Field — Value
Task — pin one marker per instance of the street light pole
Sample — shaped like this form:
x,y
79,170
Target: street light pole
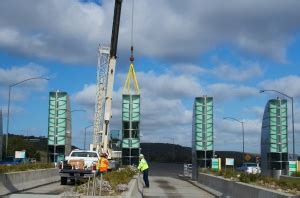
x,y
293,124
8,105
243,140
85,135
234,119
7,124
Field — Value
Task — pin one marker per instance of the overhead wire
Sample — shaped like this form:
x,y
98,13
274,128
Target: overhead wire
x,y
132,13
131,76
131,48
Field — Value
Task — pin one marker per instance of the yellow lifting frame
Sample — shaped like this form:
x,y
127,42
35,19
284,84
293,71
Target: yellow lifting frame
x,y
131,77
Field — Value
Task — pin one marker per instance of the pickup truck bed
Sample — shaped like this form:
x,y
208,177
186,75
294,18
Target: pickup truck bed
x,y
80,164
74,175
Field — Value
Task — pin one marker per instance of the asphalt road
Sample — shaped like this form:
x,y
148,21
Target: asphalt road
x,y
49,189
164,182
165,169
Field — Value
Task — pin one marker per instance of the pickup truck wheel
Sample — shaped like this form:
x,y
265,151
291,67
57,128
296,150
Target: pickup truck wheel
x,y
63,180
72,181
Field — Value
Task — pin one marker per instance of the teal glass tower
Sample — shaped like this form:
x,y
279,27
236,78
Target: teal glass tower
x,y
202,136
130,129
59,126
274,138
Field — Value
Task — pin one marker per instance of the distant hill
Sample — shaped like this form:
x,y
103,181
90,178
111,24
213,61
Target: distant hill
x,y
161,152
36,147
33,145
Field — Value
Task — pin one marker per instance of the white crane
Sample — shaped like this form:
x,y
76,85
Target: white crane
x,y
105,82
102,68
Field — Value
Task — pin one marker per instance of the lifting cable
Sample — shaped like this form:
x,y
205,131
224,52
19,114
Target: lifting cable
x,y
132,13
131,76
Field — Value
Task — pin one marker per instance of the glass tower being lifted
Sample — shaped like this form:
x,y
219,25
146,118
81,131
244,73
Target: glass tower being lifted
x,y
131,119
202,137
274,139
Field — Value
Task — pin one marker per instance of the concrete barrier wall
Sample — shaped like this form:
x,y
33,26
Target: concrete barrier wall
x,y
233,189
17,181
135,188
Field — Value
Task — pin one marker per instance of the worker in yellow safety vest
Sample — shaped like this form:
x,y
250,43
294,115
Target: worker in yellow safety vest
x,y
143,167
103,164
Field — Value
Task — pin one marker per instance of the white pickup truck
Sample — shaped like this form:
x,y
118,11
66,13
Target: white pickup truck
x,y
79,164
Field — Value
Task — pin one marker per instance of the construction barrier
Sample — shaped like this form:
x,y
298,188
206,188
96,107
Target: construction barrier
x,y
230,188
187,170
18,181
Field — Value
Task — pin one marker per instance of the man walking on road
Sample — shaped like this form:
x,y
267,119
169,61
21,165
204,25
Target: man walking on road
x,y
143,167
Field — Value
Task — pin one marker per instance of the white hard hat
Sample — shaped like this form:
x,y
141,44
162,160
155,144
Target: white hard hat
x,y
141,155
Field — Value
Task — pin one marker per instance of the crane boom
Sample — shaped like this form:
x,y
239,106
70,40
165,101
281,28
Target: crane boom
x,y
115,29
102,70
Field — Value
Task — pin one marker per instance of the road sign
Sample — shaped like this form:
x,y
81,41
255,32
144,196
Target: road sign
x,y
20,154
247,157
229,162
216,164
292,167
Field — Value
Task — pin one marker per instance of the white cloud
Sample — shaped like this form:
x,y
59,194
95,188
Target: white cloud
x,y
256,110
223,91
188,69
163,113
168,86
86,96
62,30
288,85
224,71
19,73
228,72
12,111
70,31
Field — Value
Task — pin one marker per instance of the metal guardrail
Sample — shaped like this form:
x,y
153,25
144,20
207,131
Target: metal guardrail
x,y
187,170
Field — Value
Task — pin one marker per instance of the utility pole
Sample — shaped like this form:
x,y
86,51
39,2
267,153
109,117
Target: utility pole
x,y
241,122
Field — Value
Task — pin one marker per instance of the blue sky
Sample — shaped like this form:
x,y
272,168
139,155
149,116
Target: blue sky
x,y
226,50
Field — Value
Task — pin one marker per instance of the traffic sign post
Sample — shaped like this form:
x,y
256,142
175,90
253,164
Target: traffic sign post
x,y
229,162
292,167
247,157
216,164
